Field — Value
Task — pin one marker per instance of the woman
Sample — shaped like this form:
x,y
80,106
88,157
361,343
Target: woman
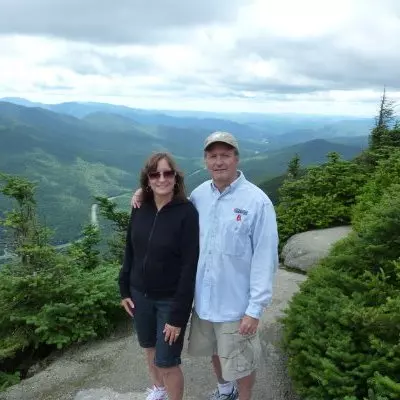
x,y
158,274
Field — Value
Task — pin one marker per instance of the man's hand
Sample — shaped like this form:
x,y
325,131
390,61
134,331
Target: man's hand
x,y
248,325
137,198
127,303
171,333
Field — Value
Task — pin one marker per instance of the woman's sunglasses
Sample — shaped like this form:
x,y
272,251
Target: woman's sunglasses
x,y
157,175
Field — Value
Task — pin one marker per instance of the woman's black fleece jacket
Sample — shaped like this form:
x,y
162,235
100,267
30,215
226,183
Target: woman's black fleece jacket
x,y
161,254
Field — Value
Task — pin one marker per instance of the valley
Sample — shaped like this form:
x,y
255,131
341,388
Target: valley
x,y
75,151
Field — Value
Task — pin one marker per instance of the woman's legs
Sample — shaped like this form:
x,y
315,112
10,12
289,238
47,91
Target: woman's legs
x,y
145,323
163,359
155,373
170,378
168,357
173,382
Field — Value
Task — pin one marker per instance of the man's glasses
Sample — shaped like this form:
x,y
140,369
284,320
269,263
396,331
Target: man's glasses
x,y
157,175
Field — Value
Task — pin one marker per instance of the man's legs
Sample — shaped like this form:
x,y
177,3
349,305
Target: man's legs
x,y
203,343
225,389
239,357
217,368
245,386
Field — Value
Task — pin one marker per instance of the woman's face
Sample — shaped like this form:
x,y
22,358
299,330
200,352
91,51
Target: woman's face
x,y
162,181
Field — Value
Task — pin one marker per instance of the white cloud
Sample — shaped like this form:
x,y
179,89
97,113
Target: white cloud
x,y
295,19
310,56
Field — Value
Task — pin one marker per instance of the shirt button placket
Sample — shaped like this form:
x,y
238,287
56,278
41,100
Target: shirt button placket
x,y
213,222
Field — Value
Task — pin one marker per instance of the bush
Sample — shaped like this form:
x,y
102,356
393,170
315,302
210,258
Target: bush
x,y
58,305
387,173
343,327
7,380
47,299
51,309
322,198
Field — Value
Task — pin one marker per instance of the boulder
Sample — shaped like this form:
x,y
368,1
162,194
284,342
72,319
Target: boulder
x,y
304,250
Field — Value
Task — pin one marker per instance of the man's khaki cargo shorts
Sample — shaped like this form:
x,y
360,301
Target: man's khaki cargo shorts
x,y
239,355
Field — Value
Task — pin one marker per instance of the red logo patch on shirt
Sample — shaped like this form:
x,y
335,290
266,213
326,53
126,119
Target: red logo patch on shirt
x,y
239,217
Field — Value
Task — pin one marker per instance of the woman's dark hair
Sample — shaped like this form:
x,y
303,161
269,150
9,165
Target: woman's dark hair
x,y
151,166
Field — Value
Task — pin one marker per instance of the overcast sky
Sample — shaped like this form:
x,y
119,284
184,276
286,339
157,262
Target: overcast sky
x,y
308,56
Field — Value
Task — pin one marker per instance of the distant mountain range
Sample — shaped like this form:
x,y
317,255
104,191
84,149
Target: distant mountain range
x,y
278,130
78,150
153,118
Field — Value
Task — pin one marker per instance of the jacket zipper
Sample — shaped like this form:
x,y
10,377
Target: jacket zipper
x,y
147,250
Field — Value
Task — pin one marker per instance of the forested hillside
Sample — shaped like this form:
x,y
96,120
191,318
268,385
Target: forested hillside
x,y
86,150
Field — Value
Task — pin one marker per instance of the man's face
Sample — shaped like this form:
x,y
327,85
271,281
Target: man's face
x,y
222,162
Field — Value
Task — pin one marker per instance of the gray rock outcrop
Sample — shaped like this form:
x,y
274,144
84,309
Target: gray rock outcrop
x,y
303,250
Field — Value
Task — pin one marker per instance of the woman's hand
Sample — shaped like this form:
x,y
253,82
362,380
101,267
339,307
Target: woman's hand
x,y
127,303
137,198
171,333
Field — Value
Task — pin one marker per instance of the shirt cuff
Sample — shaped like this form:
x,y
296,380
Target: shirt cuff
x,y
254,310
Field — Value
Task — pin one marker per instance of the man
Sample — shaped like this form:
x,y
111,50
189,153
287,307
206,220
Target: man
x,y
236,268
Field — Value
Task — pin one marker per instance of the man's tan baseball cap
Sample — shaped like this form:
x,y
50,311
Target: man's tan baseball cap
x,y
224,137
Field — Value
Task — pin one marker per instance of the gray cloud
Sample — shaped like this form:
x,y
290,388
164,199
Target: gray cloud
x,y
112,21
44,86
96,62
268,85
327,64
311,65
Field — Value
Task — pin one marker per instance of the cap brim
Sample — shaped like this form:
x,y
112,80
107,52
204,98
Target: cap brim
x,y
219,141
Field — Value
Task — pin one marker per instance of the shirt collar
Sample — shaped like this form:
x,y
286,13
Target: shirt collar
x,y
240,179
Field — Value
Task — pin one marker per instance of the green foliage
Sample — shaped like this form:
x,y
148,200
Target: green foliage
x,y
21,220
49,298
393,137
29,240
7,380
19,189
381,133
59,305
321,198
343,326
341,330
73,160
385,387
85,253
271,187
120,220
294,167
273,163
386,174
381,388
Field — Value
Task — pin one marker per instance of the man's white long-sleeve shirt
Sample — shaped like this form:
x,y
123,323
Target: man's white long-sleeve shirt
x,y
238,251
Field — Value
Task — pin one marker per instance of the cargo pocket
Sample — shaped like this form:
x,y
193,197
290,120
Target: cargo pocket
x,y
248,354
